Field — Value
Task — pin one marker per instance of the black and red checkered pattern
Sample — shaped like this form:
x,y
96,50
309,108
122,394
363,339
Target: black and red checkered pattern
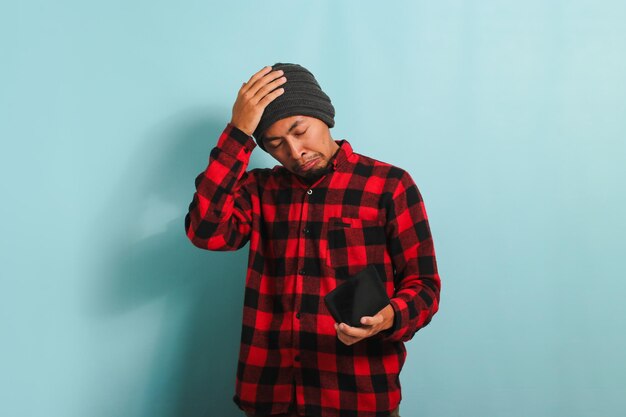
x,y
305,239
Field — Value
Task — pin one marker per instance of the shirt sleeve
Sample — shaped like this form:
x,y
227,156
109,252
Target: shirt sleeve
x,y
220,213
416,280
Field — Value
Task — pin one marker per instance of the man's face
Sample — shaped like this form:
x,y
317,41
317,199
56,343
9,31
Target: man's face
x,y
302,144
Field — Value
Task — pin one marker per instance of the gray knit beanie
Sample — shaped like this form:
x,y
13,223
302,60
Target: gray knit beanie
x,y
302,96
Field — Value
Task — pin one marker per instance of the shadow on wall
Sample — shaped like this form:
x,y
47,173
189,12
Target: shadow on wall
x,y
153,281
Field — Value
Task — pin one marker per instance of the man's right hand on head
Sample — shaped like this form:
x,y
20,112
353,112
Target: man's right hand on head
x,y
254,96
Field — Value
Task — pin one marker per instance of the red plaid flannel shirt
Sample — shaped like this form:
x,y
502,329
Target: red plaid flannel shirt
x,y
304,240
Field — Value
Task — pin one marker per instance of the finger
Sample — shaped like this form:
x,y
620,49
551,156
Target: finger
x,y
357,332
344,338
259,79
263,91
372,321
259,74
262,72
347,340
270,97
262,82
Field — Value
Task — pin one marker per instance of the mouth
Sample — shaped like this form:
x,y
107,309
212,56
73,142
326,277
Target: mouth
x,y
308,165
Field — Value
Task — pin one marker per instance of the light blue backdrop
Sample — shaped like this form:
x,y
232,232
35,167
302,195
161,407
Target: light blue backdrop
x,y
510,116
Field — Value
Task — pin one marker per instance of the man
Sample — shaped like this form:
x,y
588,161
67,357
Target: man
x,y
319,217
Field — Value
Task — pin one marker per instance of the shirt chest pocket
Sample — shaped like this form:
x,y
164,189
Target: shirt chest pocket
x,y
353,243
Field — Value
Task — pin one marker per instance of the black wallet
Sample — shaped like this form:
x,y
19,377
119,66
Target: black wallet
x,y
362,294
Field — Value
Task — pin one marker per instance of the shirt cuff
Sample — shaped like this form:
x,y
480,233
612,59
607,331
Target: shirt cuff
x,y
236,142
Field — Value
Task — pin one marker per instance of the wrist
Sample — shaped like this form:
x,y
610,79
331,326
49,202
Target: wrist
x,y
388,317
242,128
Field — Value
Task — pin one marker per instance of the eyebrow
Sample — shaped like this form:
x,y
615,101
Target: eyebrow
x,y
293,126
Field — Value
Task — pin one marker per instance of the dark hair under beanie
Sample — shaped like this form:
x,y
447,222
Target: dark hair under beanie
x,y
302,96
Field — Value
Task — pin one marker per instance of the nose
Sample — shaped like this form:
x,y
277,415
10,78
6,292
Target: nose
x,y
296,149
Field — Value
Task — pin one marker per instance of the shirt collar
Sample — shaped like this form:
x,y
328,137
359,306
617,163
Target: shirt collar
x,y
343,153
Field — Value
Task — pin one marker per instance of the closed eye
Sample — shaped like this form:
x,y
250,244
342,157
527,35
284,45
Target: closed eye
x,y
273,143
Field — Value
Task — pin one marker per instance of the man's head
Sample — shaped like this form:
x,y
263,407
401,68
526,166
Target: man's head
x,y
295,125
302,144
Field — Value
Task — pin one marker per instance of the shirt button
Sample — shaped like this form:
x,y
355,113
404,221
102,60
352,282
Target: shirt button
x,y
306,230
297,358
302,272
309,192
298,315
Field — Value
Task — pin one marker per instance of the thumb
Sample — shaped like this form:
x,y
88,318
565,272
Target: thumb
x,y
370,321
